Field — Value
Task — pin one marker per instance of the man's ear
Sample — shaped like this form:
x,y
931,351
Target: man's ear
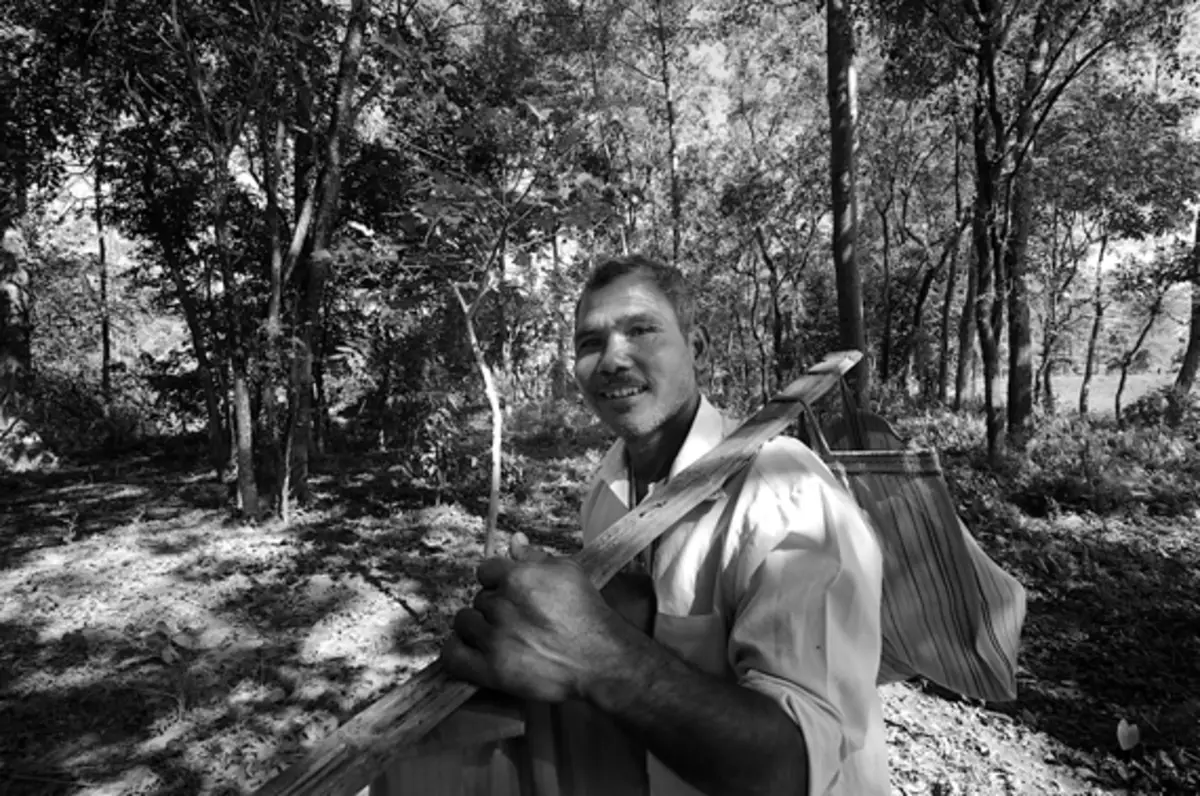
x,y
699,341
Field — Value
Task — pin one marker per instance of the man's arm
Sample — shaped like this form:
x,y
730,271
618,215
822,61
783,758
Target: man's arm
x,y
720,737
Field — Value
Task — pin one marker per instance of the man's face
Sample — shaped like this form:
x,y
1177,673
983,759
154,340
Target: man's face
x,y
635,366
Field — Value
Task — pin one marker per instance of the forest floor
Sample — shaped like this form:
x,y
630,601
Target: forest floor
x,y
150,645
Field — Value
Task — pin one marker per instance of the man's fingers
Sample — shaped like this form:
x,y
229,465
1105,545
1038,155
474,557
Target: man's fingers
x,y
472,628
493,572
520,549
485,603
463,661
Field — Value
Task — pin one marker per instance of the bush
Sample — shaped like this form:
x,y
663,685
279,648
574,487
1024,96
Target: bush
x,y
1076,465
1101,468
1166,406
69,412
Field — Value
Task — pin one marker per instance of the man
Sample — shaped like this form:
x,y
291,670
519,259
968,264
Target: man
x,y
758,673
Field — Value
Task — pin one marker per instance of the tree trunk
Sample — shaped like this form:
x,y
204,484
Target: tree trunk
x,y
1191,356
1020,336
885,348
275,472
943,387
842,112
493,398
319,261
217,447
247,490
763,359
966,334
943,376
919,343
676,189
1089,367
102,262
16,324
1044,383
1156,309
561,377
777,330
988,316
237,355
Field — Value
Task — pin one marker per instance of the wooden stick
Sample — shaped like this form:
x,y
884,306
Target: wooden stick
x,y
353,756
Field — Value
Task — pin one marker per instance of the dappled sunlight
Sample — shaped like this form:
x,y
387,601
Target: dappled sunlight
x,y
1110,559
191,653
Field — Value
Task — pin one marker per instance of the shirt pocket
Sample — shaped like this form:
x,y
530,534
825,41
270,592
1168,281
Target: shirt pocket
x,y
700,640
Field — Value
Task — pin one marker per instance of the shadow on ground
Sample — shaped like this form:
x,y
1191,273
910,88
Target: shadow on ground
x,y
1110,634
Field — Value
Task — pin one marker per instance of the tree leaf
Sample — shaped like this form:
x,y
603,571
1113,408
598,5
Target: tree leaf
x,y
1128,735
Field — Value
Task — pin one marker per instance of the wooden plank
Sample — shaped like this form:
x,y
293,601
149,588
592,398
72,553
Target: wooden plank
x,y
541,736
353,755
595,758
490,769
486,718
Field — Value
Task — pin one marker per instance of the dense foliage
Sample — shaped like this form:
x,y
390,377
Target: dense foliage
x,y
332,226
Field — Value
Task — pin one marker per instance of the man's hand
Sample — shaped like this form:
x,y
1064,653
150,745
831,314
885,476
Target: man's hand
x,y
630,594
537,629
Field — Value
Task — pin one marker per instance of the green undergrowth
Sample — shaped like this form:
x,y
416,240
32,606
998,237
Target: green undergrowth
x,y
275,635
1099,523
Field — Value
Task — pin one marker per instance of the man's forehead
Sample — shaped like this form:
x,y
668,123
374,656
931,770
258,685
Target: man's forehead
x,y
623,299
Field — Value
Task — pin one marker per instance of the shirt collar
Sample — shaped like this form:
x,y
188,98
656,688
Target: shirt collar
x,y
707,431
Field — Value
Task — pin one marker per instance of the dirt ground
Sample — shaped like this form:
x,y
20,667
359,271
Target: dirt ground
x,y
149,645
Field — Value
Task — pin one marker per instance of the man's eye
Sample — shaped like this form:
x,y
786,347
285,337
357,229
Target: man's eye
x,y
638,331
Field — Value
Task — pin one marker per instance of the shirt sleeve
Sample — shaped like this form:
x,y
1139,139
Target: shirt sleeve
x,y
805,594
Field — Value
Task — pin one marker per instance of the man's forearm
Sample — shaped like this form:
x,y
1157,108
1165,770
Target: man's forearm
x,y
718,736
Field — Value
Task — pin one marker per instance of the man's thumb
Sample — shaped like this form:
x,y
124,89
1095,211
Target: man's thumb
x,y
520,549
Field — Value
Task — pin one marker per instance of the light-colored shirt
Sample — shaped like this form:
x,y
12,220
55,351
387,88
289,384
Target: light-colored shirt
x,y
774,583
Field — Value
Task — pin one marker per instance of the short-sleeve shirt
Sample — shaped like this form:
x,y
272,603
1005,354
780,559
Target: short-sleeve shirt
x,y
774,583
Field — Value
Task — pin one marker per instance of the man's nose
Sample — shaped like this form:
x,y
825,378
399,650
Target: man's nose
x,y
616,355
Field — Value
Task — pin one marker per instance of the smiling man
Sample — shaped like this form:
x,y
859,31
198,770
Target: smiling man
x,y
749,667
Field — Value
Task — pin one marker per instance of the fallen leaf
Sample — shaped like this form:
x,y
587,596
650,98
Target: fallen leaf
x,y
1128,735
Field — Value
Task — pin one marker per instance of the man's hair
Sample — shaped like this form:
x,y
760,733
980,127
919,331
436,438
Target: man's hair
x,y
669,280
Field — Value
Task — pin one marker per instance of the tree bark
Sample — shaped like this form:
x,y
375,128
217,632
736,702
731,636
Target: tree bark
x,y
952,275
16,316
275,475
664,62
885,348
561,377
102,263
238,355
943,376
493,398
842,112
1191,356
243,421
777,330
1156,309
1089,367
987,251
319,261
966,335
1020,335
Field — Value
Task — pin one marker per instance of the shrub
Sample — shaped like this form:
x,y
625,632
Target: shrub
x,y
1166,406
1101,468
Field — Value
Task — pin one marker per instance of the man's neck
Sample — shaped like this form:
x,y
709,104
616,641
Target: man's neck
x,y
650,457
